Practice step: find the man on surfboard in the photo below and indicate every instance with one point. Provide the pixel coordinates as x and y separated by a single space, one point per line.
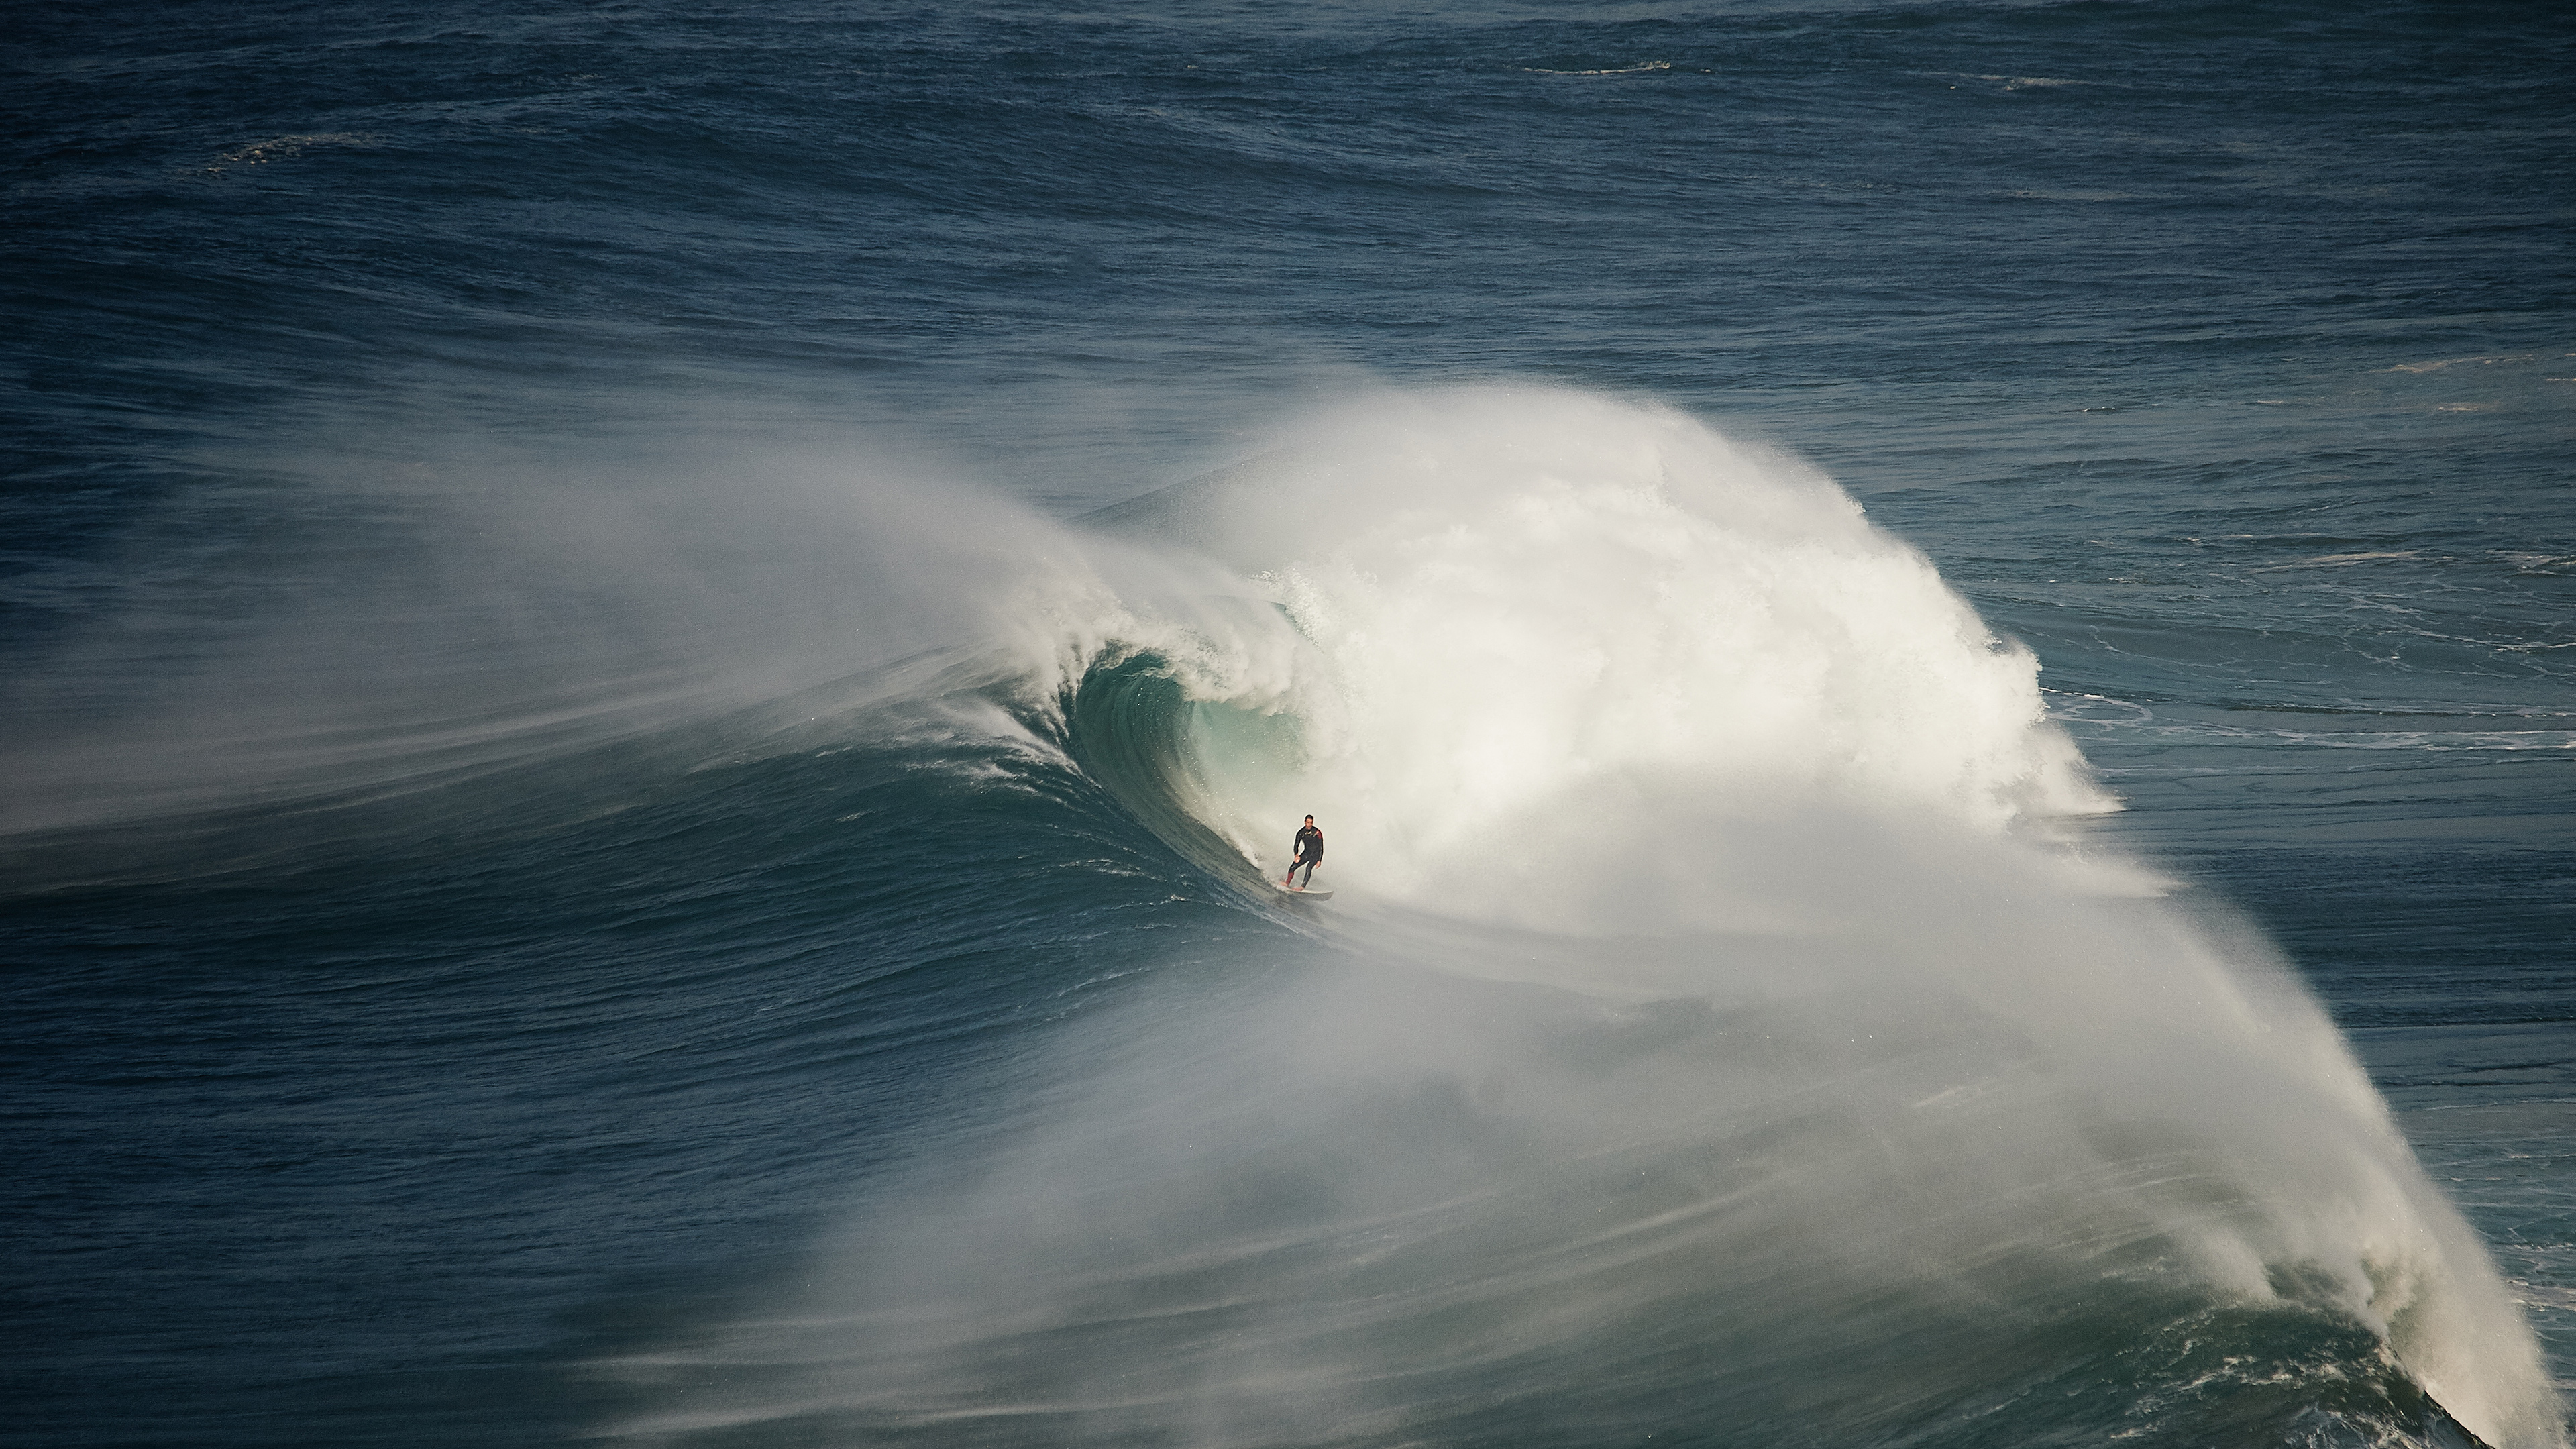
1310 854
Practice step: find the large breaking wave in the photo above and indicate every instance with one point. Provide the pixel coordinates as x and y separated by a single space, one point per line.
1726 1027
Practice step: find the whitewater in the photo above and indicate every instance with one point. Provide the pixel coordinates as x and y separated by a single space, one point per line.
1726 1015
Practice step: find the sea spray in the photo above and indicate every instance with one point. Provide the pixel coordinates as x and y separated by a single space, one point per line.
399 631
1721 1038
1530 608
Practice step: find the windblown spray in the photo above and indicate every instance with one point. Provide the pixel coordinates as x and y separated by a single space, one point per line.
1728 1026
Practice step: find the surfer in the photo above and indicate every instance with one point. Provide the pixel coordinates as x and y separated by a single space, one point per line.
1310 853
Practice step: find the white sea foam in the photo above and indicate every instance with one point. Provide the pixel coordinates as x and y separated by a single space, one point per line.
2441 363
1645 67
1533 614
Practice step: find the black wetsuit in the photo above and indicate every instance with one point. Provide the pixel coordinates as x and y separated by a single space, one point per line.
1310 852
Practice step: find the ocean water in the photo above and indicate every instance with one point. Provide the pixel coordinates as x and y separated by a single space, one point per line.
657 659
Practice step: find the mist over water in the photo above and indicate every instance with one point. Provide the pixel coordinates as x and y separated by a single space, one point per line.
656 663
417 632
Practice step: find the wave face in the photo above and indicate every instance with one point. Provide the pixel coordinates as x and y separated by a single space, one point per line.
1725 1026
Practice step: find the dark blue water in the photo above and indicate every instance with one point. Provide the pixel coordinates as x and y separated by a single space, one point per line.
587 854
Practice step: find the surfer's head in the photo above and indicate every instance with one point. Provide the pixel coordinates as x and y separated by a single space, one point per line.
1310 819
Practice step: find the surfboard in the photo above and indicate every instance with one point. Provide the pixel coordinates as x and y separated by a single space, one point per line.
1322 895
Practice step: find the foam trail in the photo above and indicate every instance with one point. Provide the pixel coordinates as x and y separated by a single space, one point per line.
1721 1040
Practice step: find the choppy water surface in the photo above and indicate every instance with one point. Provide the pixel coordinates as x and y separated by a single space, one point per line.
656 659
